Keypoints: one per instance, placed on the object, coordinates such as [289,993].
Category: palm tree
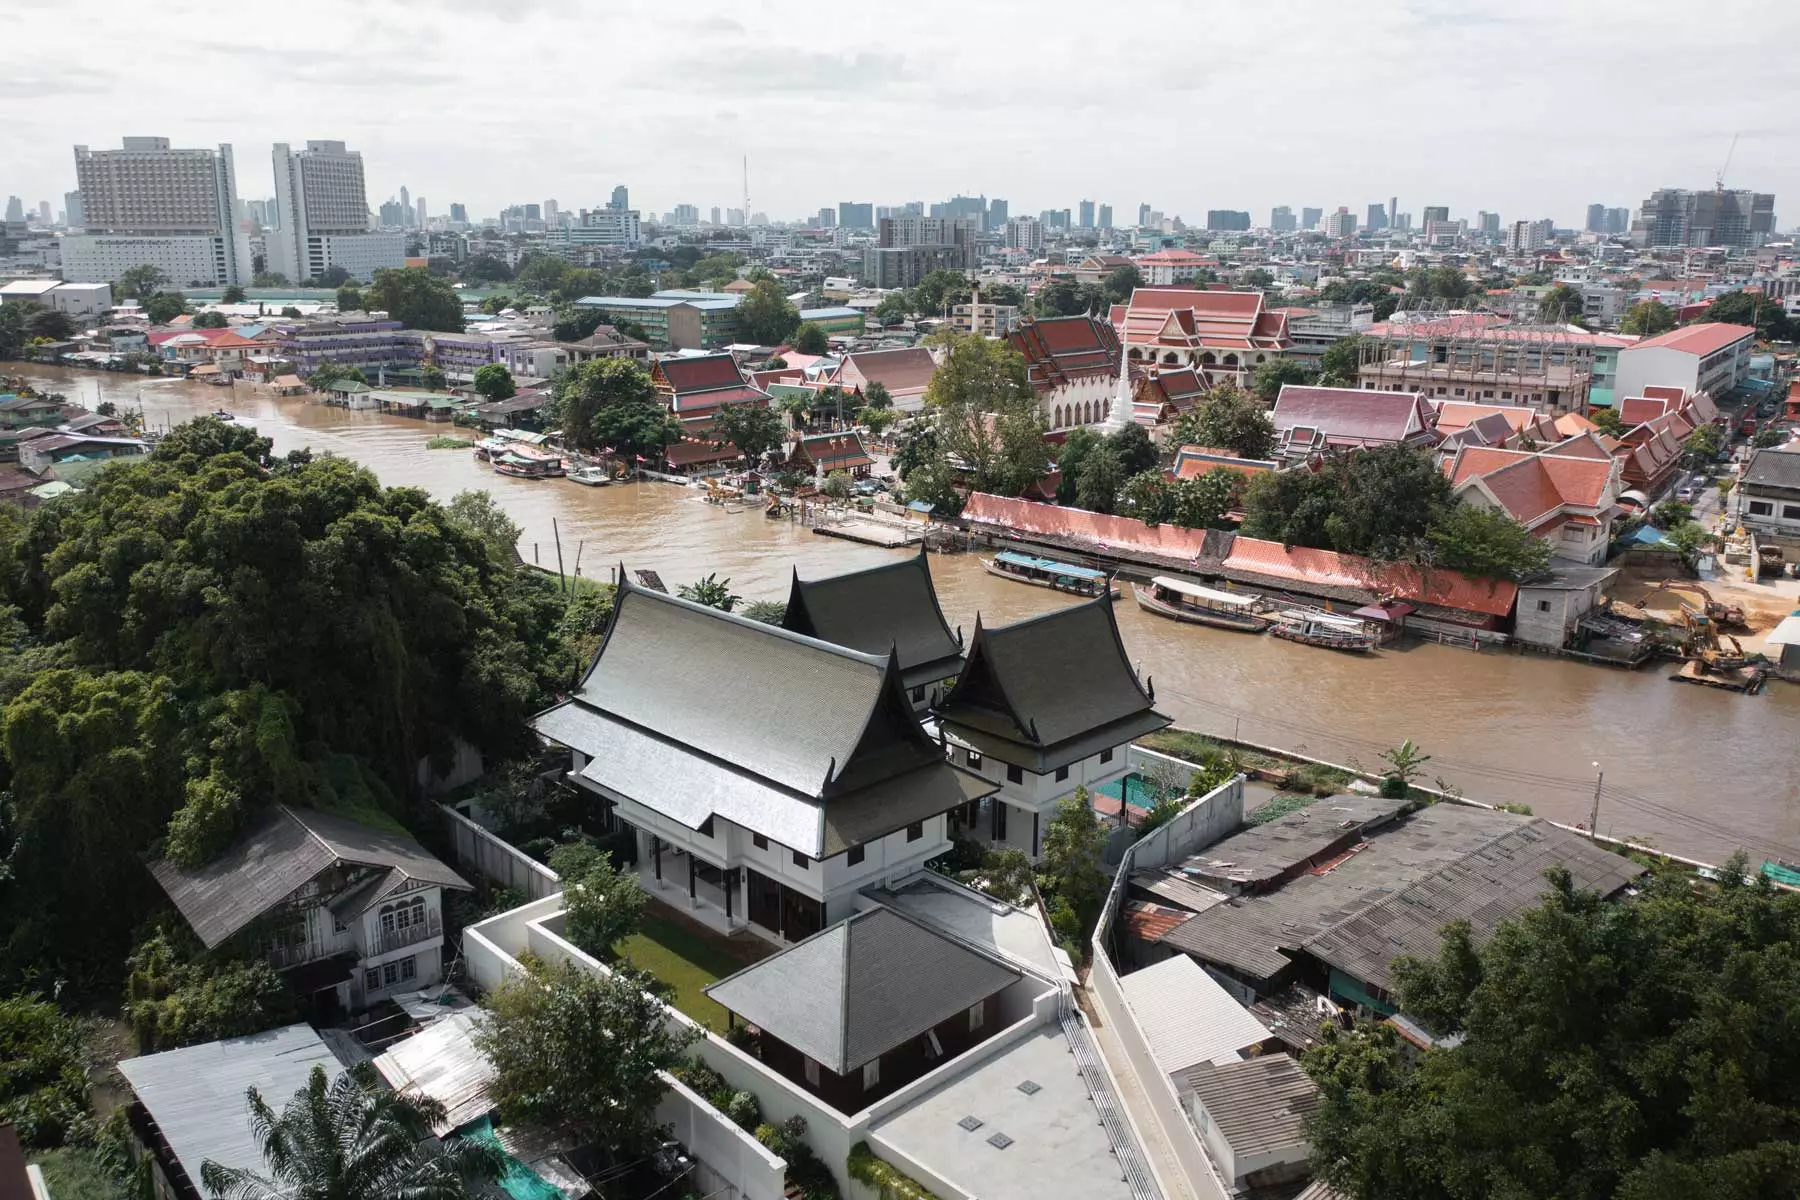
[346,1139]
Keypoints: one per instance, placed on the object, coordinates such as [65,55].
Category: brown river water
[1691,770]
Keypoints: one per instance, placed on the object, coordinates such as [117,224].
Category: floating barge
[1048,573]
[1747,680]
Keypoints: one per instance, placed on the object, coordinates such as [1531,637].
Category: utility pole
[1594,816]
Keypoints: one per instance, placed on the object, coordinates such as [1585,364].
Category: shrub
[882,1177]
[43,1070]
[173,1000]
[1319,779]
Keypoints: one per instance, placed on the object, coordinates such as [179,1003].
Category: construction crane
[1719,180]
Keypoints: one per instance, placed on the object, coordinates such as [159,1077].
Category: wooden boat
[550,461]
[1180,600]
[1047,572]
[1310,627]
[590,476]
[522,468]
[486,448]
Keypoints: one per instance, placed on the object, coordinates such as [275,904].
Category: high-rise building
[391,216]
[1341,224]
[459,214]
[15,210]
[406,208]
[1524,237]
[1143,216]
[1618,220]
[682,214]
[734,216]
[909,248]
[1309,217]
[1087,214]
[916,208]
[1393,212]
[322,214]
[1281,219]
[419,207]
[621,198]
[1487,222]
[715,215]
[1377,218]
[851,215]
[1436,212]
[1106,216]
[1596,218]
[553,214]
[827,218]
[533,212]
[75,216]
[1227,220]
[43,214]
[1025,233]
[1677,217]
[151,204]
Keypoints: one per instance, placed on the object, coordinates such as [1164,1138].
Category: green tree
[1613,1051]
[484,268]
[332,277]
[173,999]
[1561,305]
[603,906]
[987,414]
[479,515]
[43,1083]
[14,328]
[836,486]
[1688,538]
[768,316]
[1607,421]
[810,339]
[576,322]
[878,420]
[164,307]
[892,309]
[610,403]
[57,326]
[1339,365]
[140,283]
[350,1138]
[1121,281]
[1147,496]
[1066,298]
[1203,503]
[291,312]
[1137,453]
[1648,318]
[349,299]
[712,592]
[1003,294]
[416,298]
[1766,316]
[542,273]
[754,429]
[1071,867]
[495,382]
[932,482]
[1488,543]
[1257,277]
[1704,445]
[1272,376]
[431,378]
[580,1052]
[1100,479]
[1228,418]
[939,291]
[211,320]
[233,295]
[1379,503]
[876,396]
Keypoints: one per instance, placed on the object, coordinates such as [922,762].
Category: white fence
[496,860]
[1198,825]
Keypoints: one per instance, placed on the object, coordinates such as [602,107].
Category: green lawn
[688,961]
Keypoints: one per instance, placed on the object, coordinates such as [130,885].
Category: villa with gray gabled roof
[890,606]
[1044,706]
[767,775]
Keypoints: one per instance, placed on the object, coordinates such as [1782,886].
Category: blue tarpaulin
[1050,565]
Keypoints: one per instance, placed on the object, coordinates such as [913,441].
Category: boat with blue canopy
[1047,572]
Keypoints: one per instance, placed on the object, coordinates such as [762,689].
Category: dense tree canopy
[416,298]
[754,429]
[767,314]
[1272,376]
[1636,1050]
[1228,418]
[1486,542]
[164,307]
[494,382]
[1378,503]
[1561,305]
[223,633]
[986,414]
[1338,366]
[1766,316]
[609,403]
[810,339]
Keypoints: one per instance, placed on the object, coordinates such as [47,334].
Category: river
[1691,770]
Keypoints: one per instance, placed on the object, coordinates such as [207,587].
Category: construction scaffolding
[1478,354]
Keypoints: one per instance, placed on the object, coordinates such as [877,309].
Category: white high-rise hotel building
[150,204]
[322,216]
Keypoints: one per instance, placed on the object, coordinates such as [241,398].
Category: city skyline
[678,118]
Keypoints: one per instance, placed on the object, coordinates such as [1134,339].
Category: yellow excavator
[1701,641]
[1681,591]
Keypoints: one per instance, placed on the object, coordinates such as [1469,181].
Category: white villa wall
[496,860]
[1194,828]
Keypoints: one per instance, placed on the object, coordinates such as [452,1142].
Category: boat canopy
[1210,595]
[1049,565]
[1330,620]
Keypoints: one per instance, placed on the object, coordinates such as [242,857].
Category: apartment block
[149,203]
[322,214]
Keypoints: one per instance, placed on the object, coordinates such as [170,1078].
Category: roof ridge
[743,622]
[312,833]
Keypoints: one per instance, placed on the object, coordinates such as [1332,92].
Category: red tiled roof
[1096,529]
[1058,350]
[698,374]
[1458,414]
[686,454]
[834,451]
[1532,487]
[1701,339]
[1191,462]
[903,372]
[1353,416]
[1196,317]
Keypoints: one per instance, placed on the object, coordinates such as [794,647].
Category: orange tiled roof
[1445,589]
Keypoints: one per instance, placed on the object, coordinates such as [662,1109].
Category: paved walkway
[1169,1173]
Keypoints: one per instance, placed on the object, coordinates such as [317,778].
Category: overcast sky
[1531,108]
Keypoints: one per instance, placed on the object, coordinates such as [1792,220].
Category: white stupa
[1119,416]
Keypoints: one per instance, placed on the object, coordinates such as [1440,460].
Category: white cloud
[1527,107]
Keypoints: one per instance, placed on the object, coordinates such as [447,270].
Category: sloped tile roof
[904,372]
[889,607]
[861,988]
[1702,339]
[1353,416]
[700,373]
[1369,579]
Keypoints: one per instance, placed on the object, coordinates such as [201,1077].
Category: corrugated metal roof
[196,1094]
[441,1062]
[1259,1104]
[861,988]
[1187,1017]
